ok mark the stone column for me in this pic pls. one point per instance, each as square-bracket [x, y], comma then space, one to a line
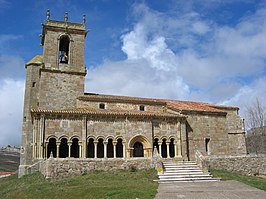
[176, 149]
[124, 150]
[34, 137]
[37, 130]
[114, 146]
[80, 150]
[168, 149]
[41, 133]
[69, 148]
[183, 140]
[128, 152]
[46, 150]
[160, 149]
[105, 149]
[57, 149]
[84, 136]
[95, 149]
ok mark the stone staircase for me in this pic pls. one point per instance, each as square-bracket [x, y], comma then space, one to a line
[187, 171]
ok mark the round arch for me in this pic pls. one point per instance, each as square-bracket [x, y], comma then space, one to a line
[139, 141]
[91, 137]
[51, 136]
[118, 137]
[73, 137]
[100, 137]
[109, 137]
[62, 137]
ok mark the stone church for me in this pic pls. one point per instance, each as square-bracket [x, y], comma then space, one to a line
[61, 122]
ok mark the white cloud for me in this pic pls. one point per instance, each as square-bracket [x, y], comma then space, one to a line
[11, 104]
[213, 64]
[247, 95]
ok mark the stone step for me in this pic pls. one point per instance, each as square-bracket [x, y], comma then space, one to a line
[194, 164]
[181, 166]
[185, 169]
[184, 176]
[174, 163]
[189, 180]
[183, 172]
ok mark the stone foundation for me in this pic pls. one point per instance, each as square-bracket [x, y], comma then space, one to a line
[64, 167]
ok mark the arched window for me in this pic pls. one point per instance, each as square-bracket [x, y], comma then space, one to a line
[51, 148]
[64, 49]
[75, 148]
[172, 148]
[63, 148]
[110, 149]
[90, 152]
[138, 150]
[119, 148]
[164, 149]
[100, 148]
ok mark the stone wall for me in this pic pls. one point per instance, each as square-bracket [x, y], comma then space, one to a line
[120, 106]
[61, 167]
[59, 90]
[201, 127]
[254, 165]
[70, 127]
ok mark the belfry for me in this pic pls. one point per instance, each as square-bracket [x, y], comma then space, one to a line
[62, 125]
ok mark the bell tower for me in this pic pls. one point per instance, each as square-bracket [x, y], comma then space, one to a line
[53, 80]
[63, 44]
[62, 77]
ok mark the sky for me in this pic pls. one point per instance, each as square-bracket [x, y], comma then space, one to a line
[209, 51]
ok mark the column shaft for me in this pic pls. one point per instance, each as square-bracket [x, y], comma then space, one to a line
[168, 149]
[95, 149]
[105, 150]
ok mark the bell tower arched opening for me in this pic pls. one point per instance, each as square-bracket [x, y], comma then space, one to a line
[64, 49]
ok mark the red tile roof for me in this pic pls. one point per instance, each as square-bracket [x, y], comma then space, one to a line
[172, 104]
[187, 106]
[106, 112]
[179, 106]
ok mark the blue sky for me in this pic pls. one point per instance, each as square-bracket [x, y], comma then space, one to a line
[210, 50]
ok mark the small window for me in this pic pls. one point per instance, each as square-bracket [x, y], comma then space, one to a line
[33, 84]
[102, 106]
[142, 108]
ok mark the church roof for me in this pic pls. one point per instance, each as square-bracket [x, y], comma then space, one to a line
[177, 105]
[188, 106]
[106, 112]
[37, 60]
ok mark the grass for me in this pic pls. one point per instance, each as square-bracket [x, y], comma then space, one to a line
[118, 184]
[253, 181]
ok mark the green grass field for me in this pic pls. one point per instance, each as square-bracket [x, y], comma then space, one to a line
[118, 184]
[253, 181]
